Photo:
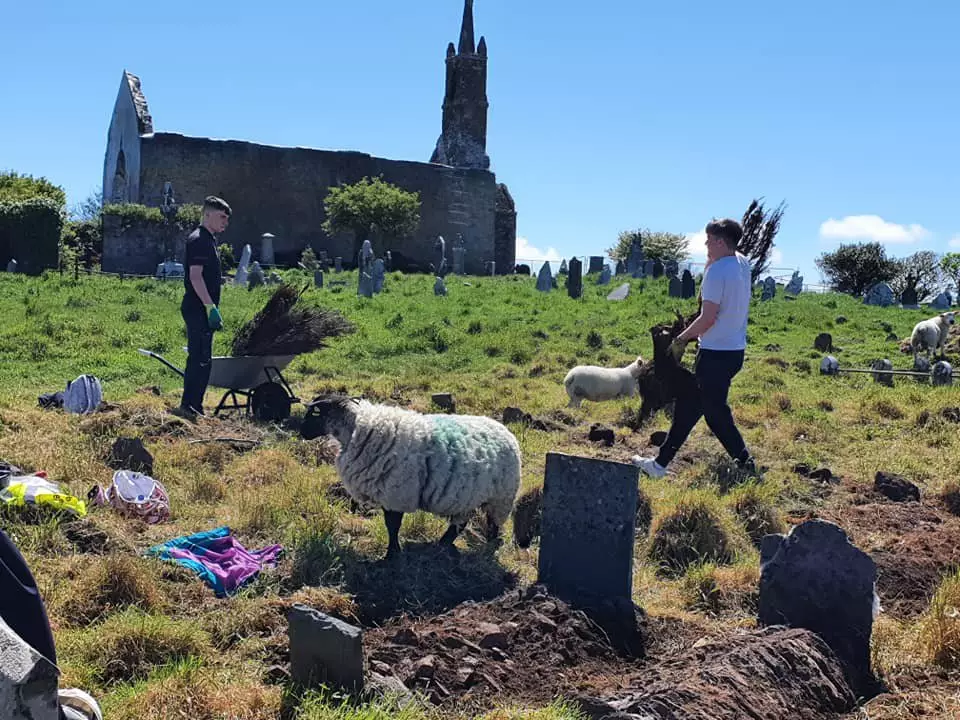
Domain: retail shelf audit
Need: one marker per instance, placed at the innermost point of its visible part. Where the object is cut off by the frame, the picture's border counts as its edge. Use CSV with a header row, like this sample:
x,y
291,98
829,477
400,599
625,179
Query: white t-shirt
x,y
727,282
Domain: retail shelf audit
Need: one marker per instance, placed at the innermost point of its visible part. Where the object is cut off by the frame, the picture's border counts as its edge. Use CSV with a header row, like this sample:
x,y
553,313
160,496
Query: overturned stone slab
x,y
28,681
324,649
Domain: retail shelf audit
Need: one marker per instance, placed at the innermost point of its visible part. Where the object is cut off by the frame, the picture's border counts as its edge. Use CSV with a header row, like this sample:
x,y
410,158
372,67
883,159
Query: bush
x,y
30,231
227,259
130,213
856,267
17,188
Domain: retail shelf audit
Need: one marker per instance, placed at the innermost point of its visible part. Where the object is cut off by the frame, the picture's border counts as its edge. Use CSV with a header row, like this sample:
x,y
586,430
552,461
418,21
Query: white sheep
x,y
931,334
590,382
403,461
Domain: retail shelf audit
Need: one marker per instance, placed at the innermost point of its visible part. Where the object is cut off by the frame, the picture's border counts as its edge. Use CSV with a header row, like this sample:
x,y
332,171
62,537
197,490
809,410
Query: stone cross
x,y
688,288
575,279
545,278
243,268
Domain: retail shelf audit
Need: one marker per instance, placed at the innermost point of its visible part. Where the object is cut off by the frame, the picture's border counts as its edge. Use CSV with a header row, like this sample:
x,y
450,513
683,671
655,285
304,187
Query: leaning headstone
x,y
266,249
671,268
880,295
324,650
544,278
440,257
620,293
676,287
256,276
575,279
795,286
318,278
243,269
940,302
563,267
587,535
378,273
604,278
688,288
596,264
942,373
769,289
28,681
338,264
12,266
814,578
657,269
908,299
439,287
621,268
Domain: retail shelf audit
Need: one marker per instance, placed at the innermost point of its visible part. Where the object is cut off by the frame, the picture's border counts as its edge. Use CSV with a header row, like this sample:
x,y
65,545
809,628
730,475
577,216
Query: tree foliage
x,y
90,210
371,206
17,188
855,267
950,266
921,272
657,245
760,228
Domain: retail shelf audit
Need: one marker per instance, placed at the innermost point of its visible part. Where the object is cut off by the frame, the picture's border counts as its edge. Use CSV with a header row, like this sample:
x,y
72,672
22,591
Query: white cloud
x,y
955,242
698,249
873,228
527,253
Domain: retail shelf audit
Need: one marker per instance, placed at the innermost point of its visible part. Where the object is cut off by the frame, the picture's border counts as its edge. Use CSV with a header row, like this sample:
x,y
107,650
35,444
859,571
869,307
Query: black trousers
x,y
199,353
714,370
20,603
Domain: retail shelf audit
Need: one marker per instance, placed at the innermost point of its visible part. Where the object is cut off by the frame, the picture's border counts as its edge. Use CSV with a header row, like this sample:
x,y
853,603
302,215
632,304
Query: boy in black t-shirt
x,y
201,301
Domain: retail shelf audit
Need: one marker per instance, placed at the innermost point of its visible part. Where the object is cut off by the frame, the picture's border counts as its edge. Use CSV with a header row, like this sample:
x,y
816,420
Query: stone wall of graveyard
x,y
281,191
137,247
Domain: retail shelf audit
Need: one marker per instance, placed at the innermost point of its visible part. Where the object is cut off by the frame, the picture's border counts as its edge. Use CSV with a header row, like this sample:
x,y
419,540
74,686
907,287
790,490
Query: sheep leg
x,y
450,535
393,522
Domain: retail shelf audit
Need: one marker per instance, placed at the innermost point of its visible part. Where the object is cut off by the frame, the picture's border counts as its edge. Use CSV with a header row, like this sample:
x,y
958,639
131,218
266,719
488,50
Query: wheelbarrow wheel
x,y
270,402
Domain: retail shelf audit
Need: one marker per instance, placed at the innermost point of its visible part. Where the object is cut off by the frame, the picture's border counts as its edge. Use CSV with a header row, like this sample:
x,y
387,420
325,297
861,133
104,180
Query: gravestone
x,y
440,257
243,269
688,288
648,268
635,257
940,302
621,268
563,267
908,299
388,262
769,289
620,293
823,342
439,287
318,278
378,272
575,279
459,260
338,264
587,532
545,278
12,266
671,268
814,578
657,269
28,681
880,295
324,650
274,279
949,297
604,278
676,287
596,264
942,373
256,276
491,267
266,249
922,365
365,258
884,378
795,286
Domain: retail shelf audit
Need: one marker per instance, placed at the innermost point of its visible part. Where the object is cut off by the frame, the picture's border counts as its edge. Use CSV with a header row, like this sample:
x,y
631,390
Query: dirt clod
x,y
896,488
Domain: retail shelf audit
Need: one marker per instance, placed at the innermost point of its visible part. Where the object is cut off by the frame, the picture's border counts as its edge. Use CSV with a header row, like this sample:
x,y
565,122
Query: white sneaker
x,y
650,466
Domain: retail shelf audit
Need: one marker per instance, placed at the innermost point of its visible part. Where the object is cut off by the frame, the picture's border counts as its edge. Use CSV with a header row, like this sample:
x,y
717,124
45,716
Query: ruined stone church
x,y
280,190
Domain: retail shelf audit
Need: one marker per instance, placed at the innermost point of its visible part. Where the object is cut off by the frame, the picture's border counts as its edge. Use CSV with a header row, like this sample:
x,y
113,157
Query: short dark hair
x,y
727,229
214,203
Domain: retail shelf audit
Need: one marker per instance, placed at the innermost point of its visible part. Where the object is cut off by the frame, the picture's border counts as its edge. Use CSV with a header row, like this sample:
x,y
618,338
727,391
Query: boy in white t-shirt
x,y
722,329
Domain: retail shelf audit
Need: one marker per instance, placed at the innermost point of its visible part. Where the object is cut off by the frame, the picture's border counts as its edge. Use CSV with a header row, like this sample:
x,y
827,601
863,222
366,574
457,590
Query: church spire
x,y
467,46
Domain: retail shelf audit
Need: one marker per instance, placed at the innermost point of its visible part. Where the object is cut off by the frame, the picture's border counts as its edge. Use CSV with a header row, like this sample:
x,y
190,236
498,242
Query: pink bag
x,y
139,496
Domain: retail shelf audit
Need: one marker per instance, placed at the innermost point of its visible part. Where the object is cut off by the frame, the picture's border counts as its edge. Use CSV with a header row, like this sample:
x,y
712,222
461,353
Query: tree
x,y
921,272
90,209
855,267
950,266
659,245
16,188
760,228
371,206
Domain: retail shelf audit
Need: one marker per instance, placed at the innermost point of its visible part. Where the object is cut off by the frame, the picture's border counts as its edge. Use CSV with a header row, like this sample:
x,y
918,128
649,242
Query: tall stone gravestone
x,y
587,531
688,288
563,267
459,256
604,278
908,299
388,262
364,268
880,295
596,264
575,279
318,278
657,270
795,286
769,289
378,272
338,264
545,278
266,249
28,681
676,287
815,578
635,258
621,268
243,269
491,267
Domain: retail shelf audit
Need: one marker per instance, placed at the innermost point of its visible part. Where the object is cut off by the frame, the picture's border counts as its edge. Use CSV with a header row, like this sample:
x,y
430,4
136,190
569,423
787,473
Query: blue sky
x,y
603,116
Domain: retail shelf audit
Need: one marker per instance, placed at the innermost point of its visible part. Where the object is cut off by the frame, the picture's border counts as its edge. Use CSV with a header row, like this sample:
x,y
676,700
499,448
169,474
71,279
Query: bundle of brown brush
x,y
286,326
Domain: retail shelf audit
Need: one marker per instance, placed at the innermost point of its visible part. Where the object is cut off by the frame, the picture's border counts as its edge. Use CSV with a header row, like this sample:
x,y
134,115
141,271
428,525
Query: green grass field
x,y
148,641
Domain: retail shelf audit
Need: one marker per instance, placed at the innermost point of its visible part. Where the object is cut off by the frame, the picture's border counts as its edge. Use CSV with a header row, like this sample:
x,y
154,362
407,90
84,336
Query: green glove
x,y
214,318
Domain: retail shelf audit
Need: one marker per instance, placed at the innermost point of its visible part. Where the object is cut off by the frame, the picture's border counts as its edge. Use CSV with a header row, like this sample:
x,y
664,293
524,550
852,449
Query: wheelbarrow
x,y
253,384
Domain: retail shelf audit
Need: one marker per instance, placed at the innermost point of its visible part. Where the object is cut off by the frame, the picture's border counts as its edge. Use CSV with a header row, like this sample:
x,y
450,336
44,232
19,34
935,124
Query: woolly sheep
x,y
590,382
931,334
404,461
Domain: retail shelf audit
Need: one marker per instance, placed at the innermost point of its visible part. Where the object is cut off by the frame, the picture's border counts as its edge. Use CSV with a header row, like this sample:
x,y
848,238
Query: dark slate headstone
x,y
909,298
589,511
921,365
880,295
596,264
324,650
318,278
620,293
621,268
671,268
635,258
814,578
940,302
676,287
648,268
769,289
563,267
575,279
605,276
338,264
657,269
688,288
544,278
823,342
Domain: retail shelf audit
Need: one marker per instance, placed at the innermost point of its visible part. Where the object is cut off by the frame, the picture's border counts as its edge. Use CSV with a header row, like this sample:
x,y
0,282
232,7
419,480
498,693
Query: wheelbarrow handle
x,y
160,358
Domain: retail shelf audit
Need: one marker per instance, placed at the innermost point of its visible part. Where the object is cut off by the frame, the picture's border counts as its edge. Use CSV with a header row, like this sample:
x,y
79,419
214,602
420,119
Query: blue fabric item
x,y
194,543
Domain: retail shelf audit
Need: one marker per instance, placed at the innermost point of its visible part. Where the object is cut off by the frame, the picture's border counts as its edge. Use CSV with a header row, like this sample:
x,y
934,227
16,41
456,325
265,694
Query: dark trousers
x,y
714,370
20,604
199,351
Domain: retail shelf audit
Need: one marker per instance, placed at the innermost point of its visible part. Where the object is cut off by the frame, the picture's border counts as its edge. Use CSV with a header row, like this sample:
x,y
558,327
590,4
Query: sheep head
x,y
949,317
330,415
636,366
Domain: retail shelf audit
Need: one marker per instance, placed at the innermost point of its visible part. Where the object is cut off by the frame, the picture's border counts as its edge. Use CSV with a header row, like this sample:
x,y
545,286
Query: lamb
x,y
931,334
404,461
590,382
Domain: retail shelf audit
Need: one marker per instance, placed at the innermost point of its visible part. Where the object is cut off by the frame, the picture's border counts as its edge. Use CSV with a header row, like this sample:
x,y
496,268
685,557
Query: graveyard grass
x,y
149,640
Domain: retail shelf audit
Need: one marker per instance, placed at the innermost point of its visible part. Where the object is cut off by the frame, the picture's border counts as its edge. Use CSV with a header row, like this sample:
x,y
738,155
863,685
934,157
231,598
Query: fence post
x,y
76,269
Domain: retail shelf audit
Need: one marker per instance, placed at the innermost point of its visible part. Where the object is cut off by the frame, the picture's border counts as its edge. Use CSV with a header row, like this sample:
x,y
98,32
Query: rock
x,y
823,474
896,487
444,401
492,637
814,578
823,342
425,667
621,293
516,415
28,681
601,433
406,636
130,454
840,320
892,337
324,649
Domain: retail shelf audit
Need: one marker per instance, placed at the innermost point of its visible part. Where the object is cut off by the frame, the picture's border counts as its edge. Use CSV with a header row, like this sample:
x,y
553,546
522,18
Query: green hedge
x,y
30,232
17,188
187,215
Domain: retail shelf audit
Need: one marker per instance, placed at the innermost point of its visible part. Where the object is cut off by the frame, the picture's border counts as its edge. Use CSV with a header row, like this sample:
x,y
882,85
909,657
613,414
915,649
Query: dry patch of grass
x,y
110,584
715,590
755,504
939,628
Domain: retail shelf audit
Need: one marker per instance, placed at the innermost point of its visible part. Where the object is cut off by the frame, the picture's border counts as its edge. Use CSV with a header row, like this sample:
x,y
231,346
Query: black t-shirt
x,y
201,249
